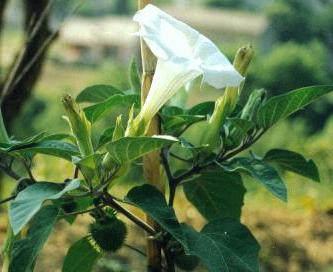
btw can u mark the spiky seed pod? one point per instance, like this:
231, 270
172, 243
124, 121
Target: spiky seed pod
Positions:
109, 235
186, 262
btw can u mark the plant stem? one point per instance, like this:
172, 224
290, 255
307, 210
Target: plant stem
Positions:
151, 162
108, 199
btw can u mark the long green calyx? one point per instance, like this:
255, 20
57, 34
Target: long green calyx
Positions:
136, 126
3, 132
80, 126
226, 104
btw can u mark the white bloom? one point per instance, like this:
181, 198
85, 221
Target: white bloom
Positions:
182, 54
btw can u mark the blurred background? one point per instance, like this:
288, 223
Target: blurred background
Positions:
84, 43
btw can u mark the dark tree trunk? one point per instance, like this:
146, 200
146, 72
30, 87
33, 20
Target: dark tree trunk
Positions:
37, 34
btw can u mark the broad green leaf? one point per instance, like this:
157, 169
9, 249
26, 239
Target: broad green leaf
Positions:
205, 108
53, 148
177, 123
175, 120
172, 110
134, 77
293, 162
95, 112
97, 93
152, 201
106, 137
59, 137
81, 257
26, 250
131, 148
281, 106
29, 201
217, 194
262, 172
223, 245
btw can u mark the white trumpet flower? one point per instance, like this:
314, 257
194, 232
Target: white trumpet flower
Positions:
183, 54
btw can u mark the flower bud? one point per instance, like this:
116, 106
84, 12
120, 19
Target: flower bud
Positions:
226, 104
80, 126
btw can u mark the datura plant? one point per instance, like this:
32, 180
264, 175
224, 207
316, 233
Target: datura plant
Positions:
201, 153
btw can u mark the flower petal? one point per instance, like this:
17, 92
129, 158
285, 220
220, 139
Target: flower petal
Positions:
168, 79
217, 69
166, 36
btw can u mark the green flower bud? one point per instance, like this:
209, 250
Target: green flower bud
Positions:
80, 126
253, 103
136, 126
226, 104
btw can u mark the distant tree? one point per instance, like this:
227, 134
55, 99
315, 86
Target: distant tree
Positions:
225, 3
18, 83
122, 7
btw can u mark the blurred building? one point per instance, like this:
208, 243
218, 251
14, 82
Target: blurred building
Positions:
93, 39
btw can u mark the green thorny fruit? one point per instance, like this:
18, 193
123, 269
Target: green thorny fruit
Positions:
108, 233
80, 126
226, 104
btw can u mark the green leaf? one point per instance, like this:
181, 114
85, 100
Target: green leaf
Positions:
293, 162
205, 108
134, 77
29, 201
97, 94
236, 130
281, 106
106, 137
177, 123
53, 148
131, 148
26, 250
223, 245
216, 194
261, 172
97, 111
80, 257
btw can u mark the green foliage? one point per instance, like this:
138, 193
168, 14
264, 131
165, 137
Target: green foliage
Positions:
96, 94
97, 111
81, 256
225, 3
26, 250
290, 65
224, 239
290, 19
262, 172
209, 173
282, 106
130, 148
216, 194
293, 162
29, 201
134, 77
